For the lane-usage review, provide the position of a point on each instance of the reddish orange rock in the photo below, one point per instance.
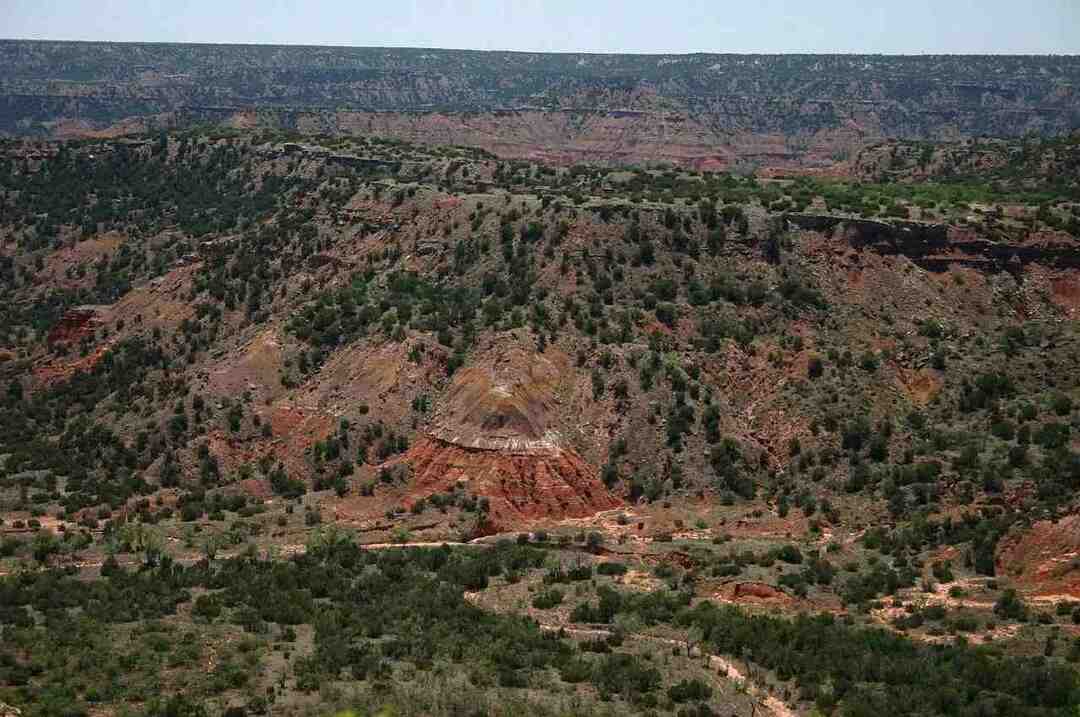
(521, 487)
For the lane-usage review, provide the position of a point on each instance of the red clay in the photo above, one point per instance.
(521, 488)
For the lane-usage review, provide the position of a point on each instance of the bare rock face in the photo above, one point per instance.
(938, 247)
(76, 324)
(508, 407)
(759, 591)
(520, 487)
(1042, 560)
(497, 435)
(704, 110)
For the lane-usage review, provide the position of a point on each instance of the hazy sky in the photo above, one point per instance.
(886, 26)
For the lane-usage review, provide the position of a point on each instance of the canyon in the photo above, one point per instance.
(719, 112)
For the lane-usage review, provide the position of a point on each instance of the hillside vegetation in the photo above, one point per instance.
(707, 111)
(696, 442)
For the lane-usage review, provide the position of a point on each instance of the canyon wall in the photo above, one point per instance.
(702, 110)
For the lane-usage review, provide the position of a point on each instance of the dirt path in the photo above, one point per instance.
(388, 546)
(723, 666)
(728, 669)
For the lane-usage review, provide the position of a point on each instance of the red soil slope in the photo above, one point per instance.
(520, 487)
(1044, 560)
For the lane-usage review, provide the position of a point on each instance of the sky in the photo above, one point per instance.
(650, 26)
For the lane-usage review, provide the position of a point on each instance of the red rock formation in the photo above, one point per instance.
(753, 592)
(500, 431)
(76, 324)
(520, 487)
(60, 370)
(758, 591)
(1044, 560)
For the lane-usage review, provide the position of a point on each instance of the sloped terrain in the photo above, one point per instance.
(1045, 558)
(704, 401)
(520, 487)
(497, 433)
(671, 345)
(706, 111)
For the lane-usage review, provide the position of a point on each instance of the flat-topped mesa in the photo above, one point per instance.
(937, 247)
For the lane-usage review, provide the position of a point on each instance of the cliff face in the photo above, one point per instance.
(75, 325)
(1016, 164)
(937, 247)
(704, 110)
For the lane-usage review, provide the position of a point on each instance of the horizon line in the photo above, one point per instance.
(631, 53)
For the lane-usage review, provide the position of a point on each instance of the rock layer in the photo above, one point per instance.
(704, 110)
(520, 487)
(937, 247)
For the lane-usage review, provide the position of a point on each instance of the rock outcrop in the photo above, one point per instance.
(520, 487)
(75, 325)
(937, 247)
(497, 435)
(1044, 559)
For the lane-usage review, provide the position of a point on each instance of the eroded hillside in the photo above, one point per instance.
(793, 395)
(706, 111)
